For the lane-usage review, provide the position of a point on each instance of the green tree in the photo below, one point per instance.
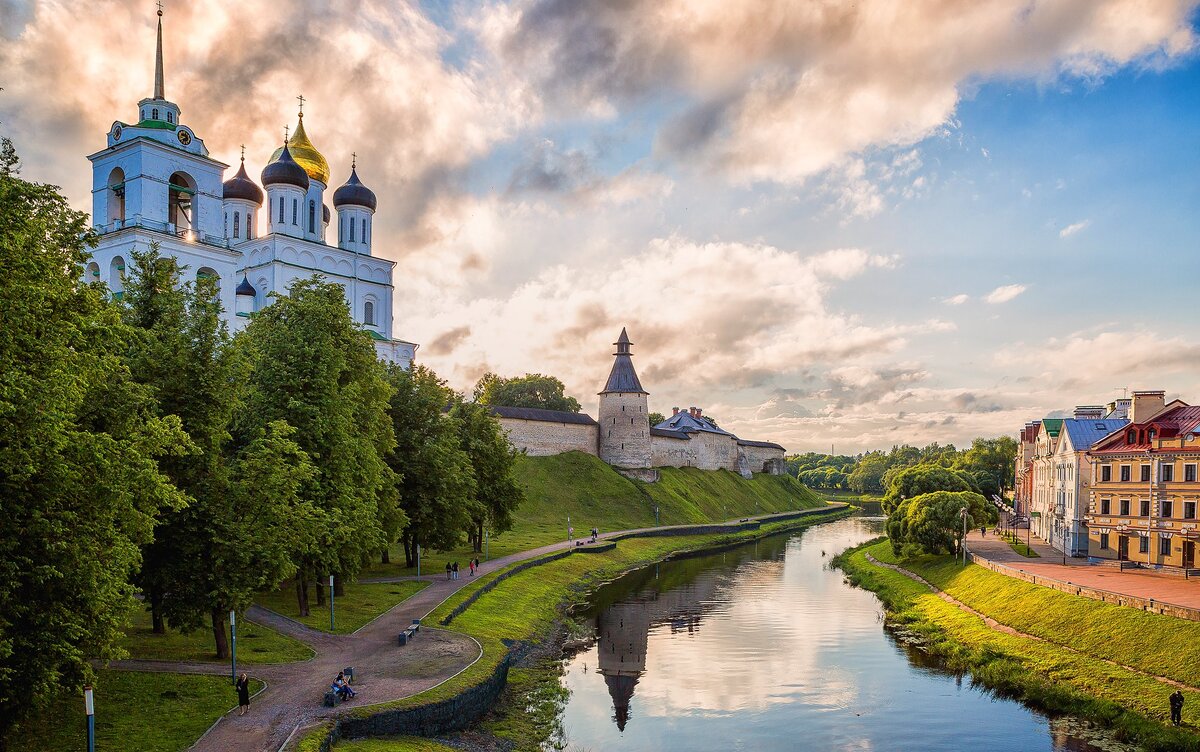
(933, 521)
(437, 484)
(79, 481)
(493, 463)
(867, 475)
(993, 457)
(655, 418)
(530, 390)
(314, 369)
(922, 479)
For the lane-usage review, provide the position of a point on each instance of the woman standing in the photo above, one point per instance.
(243, 690)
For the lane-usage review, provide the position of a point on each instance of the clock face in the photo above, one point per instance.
(116, 133)
(185, 138)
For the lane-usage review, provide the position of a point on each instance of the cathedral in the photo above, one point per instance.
(154, 182)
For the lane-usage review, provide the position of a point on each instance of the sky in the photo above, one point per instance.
(828, 224)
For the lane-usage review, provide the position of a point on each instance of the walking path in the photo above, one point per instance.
(1136, 583)
(383, 671)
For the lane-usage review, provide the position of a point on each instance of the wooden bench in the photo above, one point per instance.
(332, 699)
(407, 635)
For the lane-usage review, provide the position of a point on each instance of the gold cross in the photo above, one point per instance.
(160, 7)
(285, 134)
(301, 98)
(243, 152)
(353, 159)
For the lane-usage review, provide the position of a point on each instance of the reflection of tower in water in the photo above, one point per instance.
(624, 630)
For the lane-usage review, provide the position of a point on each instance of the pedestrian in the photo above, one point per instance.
(471, 566)
(455, 570)
(982, 531)
(448, 572)
(476, 563)
(243, 692)
(1177, 708)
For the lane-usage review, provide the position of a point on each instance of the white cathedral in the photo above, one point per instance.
(154, 182)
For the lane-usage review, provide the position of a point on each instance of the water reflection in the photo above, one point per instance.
(764, 648)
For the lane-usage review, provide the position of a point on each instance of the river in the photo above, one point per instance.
(765, 647)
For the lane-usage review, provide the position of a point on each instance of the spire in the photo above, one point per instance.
(158, 64)
(623, 377)
(622, 343)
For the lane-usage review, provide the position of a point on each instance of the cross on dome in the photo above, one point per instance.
(301, 98)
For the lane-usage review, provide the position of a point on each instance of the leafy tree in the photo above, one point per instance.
(79, 481)
(993, 457)
(314, 369)
(933, 521)
(530, 390)
(437, 487)
(922, 479)
(656, 418)
(493, 461)
(867, 475)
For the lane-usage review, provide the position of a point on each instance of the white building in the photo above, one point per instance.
(154, 182)
(1071, 478)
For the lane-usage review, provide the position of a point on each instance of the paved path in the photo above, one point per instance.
(1141, 584)
(384, 671)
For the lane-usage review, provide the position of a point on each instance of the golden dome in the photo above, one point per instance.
(306, 155)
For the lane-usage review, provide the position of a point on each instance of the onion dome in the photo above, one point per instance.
(305, 154)
(245, 288)
(354, 193)
(324, 213)
(285, 170)
(241, 186)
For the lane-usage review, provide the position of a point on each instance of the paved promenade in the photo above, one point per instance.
(1140, 584)
(384, 671)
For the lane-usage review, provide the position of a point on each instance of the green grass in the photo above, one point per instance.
(850, 497)
(1021, 547)
(393, 744)
(591, 493)
(135, 712)
(256, 643)
(361, 603)
(1041, 673)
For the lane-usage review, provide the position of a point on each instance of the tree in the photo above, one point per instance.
(923, 479)
(655, 418)
(79, 482)
(313, 368)
(933, 521)
(867, 476)
(530, 390)
(437, 487)
(493, 461)
(993, 457)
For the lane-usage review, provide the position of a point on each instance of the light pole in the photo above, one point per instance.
(331, 627)
(89, 707)
(418, 560)
(486, 547)
(233, 646)
(568, 528)
(656, 522)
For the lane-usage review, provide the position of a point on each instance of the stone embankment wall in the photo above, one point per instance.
(1117, 599)
(763, 459)
(539, 438)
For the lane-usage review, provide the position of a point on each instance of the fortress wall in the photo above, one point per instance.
(665, 452)
(714, 451)
(539, 438)
(758, 457)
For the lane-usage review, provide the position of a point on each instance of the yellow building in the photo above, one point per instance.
(1145, 492)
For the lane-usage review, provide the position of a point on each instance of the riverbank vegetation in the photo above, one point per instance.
(1070, 670)
(359, 604)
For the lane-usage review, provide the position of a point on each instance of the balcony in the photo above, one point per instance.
(166, 228)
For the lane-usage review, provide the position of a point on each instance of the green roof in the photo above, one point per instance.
(160, 124)
(1053, 425)
(376, 335)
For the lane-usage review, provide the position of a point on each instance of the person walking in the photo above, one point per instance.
(471, 566)
(449, 576)
(243, 693)
(454, 568)
(1177, 708)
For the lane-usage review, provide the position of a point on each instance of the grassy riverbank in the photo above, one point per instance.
(531, 606)
(1064, 672)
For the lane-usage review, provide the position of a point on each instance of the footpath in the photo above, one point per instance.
(1164, 588)
(383, 671)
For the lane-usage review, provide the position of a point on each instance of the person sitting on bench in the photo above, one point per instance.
(341, 687)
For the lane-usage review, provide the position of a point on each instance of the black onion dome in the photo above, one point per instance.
(245, 288)
(241, 186)
(285, 171)
(354, 193)
(324, 213)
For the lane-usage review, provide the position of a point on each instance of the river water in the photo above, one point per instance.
(765, 647)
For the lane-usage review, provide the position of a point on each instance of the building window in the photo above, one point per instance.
(1126, 473)
(237, 224)
(281, 210)
(170, 117)
(1125, 507)
(1189, 473)
(1143, 545)
(154, 114)
(1106, 473)
(1144, 505)
(312, 215)
(366, 224)
(295, 211)
(1168, 509)
(1105, 506)
(369, 313)
(1189, 510)
(1166, 472)
(1145, 473)
(249, 225)
(1164, 546)
(1151, 434)
(1104, 541)
(352, 220)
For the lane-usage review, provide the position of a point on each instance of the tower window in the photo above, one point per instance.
(143, 114)
(369, 313)
(366, 222)
(237, 224)
(341, 233)
(295, 211)
(352, 219)
(312, 215)
(249, 224)
(281, 210)
(154, 114)
(170, 117)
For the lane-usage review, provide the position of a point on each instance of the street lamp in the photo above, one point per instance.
(233, 646)
(656, 523)
(331, 627)
(89, 707)
(963, 545)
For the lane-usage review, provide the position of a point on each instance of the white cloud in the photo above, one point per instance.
(1005, 293)
(956, 299)
(1071, 229)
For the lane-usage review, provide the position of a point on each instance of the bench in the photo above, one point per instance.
(332, 699)
(407, 635)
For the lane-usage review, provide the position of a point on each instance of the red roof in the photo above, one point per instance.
(1177, 421)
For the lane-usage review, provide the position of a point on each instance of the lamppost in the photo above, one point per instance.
(569, 528)
(418, 560)
(233, 646)
(486, 546)
(331, 627)
(963, 513)
(89, 708)
(656, 523)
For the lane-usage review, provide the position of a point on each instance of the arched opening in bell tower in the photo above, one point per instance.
(116, 197)
(180, 197)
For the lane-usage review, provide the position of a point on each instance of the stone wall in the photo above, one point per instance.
(759, 457)
(624, 429)
(714, 451)
(670, 452)
(539, 438)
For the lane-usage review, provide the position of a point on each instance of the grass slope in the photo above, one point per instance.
(256, 643)
(590, 493)
(1041, 673)
(135, 712)
(361, 603)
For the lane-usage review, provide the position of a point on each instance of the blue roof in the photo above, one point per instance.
(1085, 432)
(683, 421)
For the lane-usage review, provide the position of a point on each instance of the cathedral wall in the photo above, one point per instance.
(539, 438)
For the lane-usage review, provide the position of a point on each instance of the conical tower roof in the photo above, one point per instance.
(305, 154)
(623, 377)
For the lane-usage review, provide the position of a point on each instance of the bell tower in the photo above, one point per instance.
(624, 421)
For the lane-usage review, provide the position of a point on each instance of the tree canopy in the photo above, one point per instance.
(530, 390)
(933, 521)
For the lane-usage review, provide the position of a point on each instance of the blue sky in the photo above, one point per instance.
(825, 223)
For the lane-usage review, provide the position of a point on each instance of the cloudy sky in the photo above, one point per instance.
(827, 223)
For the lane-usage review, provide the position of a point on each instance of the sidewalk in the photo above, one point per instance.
(1134, 583)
